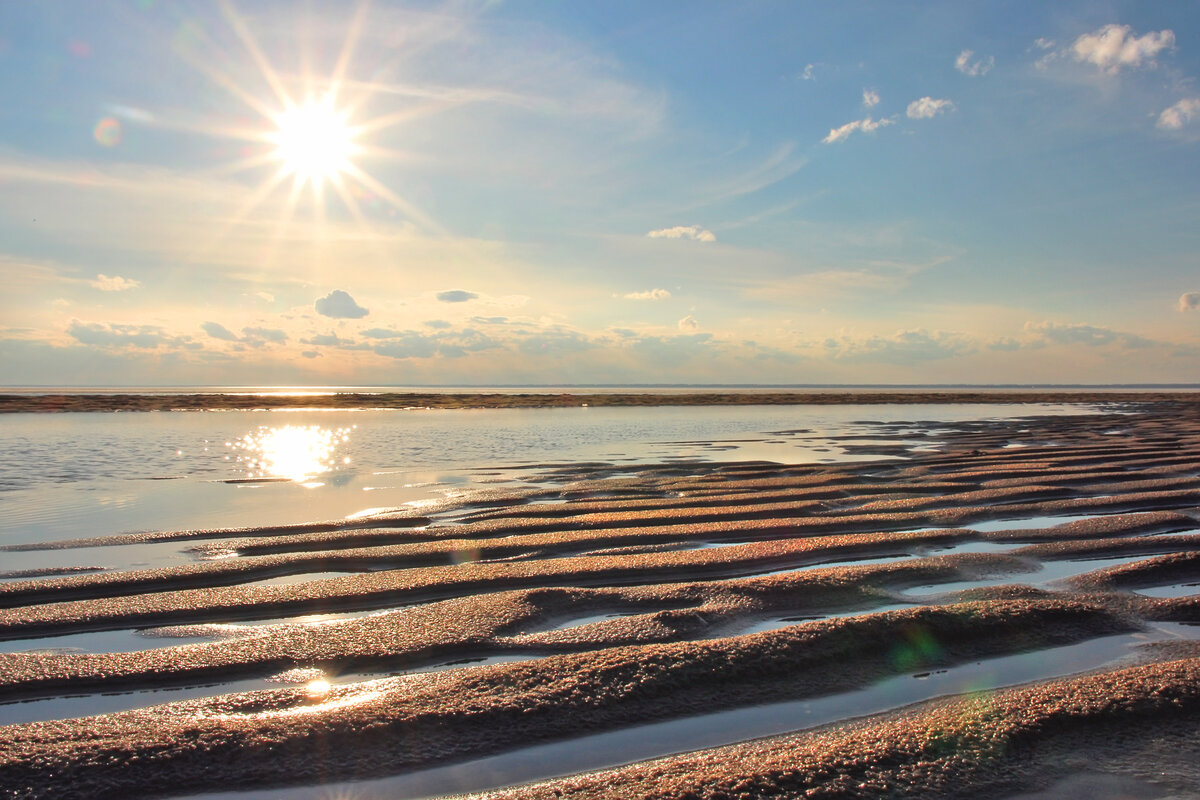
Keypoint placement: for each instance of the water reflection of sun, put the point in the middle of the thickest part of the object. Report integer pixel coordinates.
(292, 452)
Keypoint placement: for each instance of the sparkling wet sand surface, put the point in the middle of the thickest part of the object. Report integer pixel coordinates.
(712, 600)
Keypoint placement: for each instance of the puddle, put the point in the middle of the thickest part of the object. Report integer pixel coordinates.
(654, 740)
(83, 704)
(575, 622)
(1174, 590)
(850, 562)
(1050, 572)
(1028, 523)
(776, 623)
(118, 641)
(86, 705)
(112, 557)
(128, 640)
(459, 663)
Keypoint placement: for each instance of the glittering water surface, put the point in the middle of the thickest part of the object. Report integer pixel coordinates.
(91, 474)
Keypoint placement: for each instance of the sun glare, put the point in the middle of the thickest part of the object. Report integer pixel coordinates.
(314, 141)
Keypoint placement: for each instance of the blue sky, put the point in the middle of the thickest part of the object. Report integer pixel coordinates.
(548, 192)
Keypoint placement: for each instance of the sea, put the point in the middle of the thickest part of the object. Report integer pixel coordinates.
(93, 474)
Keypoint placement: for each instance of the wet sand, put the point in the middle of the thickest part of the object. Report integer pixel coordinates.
(12, 403)
(1052, 562)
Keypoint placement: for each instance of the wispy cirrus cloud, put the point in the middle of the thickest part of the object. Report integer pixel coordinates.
(693, 232)
(867, 125)
(1082, 334)
(968, 65)
(649, 294)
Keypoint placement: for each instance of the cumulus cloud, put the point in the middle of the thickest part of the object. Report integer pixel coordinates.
(688, 323)
(694, 232)
(867, 125)
(870, 98)
(1180, 114)
(265, 334)
(649, 294)
(1189, 301)
(121, 335)
(219, 331)
(902, 347)
(977, 68)
(927, 107)
(456, 296)
(670, 351)
(1006, 343)
(1087, 335)
(1115, 47)
(339, 305)
(809, 73)
(114, 283)
(310, 354)
(326, 340)
(555, 342)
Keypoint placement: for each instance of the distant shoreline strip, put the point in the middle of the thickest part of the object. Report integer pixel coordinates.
(58, 403)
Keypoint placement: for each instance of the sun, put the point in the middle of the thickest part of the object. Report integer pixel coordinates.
(314, 141)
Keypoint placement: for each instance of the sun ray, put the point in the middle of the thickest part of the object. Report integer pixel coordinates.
(399, 202)
(248, 41)
(343, 62)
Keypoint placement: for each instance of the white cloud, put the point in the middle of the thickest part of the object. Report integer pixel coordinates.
(1189, 301)
(456, 296)
(902, 347)
(123, 335)
(339, 305)
(867, 125)
(976, 68)
(218, 331)
(650, 294)
(1180, 114)
(114, 283)
(927, 107)
(1114, 47)
(684, 232)
(809, 72)
(266, 297)
(1042, 43)
(870, 98)
(265, 334)
(1088, 335)
(688, 323)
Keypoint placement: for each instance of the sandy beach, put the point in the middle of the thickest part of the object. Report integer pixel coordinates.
(1010, 614)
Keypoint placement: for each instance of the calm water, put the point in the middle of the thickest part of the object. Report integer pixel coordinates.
(92, 474)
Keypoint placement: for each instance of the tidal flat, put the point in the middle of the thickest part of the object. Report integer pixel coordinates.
(987, 607)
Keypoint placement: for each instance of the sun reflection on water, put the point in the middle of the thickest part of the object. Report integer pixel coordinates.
(291, 452)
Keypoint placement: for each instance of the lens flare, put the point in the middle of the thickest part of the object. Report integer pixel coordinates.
(107, 132)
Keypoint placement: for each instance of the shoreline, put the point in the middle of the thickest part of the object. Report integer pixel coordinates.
(511, 620)
(61, 403)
